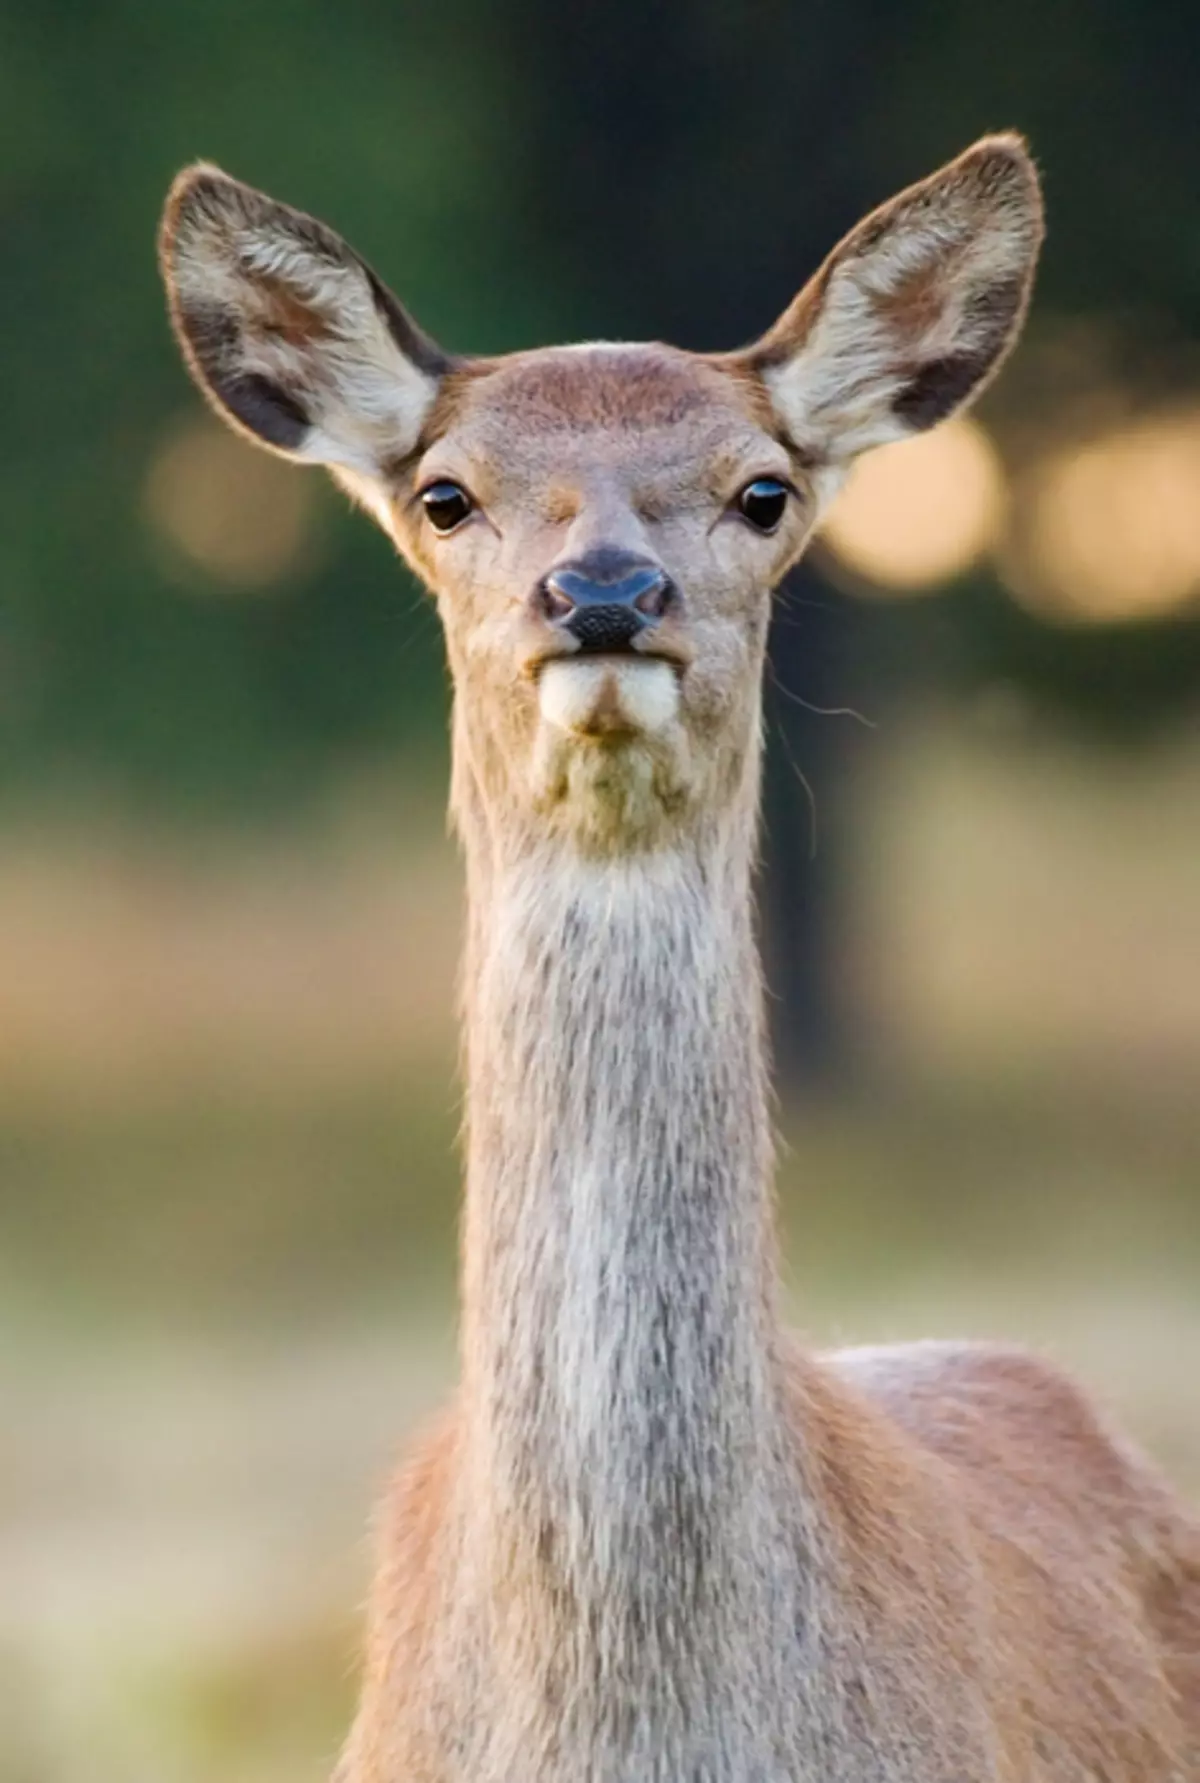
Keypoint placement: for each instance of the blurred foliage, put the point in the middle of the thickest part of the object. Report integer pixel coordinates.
(368, 115)
(519, 172)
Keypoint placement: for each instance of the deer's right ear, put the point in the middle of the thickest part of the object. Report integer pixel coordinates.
(913, 312)
(288, 333)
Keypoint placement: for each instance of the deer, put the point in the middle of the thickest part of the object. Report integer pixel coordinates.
(655, 1537)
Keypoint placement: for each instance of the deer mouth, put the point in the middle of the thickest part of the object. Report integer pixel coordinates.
(648, 648)
(610, 696)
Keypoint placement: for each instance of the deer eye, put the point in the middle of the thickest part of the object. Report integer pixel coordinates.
(447, 505)
(762, 503)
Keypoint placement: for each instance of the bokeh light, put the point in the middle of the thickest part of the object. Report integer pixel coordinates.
(1109, 529)
(242, 517)
(916, 514)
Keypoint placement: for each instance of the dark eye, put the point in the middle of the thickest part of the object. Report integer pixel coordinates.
(447, 505)
(762, 503)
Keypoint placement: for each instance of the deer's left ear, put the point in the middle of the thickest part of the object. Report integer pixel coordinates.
(290, 335)
(913, 311)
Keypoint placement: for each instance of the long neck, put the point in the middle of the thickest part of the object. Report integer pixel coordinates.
(622, 1391)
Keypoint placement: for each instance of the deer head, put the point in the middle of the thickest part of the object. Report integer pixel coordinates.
(603, 525)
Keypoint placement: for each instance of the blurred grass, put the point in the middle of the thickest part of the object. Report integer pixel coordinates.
(229, 1189)
(270, 1211)
(221, 1321)
(262, 1209)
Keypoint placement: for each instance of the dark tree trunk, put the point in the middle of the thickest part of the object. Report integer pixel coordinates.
(804, 822)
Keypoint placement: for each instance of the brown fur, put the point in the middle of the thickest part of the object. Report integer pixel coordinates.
(654, 1539)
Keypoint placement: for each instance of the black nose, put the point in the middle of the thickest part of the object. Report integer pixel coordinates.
(606, 598)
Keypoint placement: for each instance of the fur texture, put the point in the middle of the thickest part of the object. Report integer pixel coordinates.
(914, 312)
(655, 1540)
(661, 1541)
(290, 335)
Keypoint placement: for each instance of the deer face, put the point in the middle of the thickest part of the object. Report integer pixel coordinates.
(604, 575)
(603, 525)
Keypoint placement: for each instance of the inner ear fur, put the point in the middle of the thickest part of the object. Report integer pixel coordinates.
(288, 332)
(914, 311)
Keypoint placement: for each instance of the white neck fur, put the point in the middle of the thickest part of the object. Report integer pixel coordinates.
(631, 1490)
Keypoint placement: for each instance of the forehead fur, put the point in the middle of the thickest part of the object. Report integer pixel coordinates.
(602, 386)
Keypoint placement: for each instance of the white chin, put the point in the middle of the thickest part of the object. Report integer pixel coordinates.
(608, 696)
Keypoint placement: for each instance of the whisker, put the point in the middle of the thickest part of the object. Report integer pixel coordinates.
(785, 602)
(809, 794)
(821, 711)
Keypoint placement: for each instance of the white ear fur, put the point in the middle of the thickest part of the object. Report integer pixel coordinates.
(289, 334)
(913, 312)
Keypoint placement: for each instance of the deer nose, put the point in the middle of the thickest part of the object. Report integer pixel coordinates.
(604, 600)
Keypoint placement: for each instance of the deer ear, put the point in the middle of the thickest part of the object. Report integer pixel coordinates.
(913, 312)
(293, 339)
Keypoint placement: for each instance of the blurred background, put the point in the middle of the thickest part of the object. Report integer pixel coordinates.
(228, 911)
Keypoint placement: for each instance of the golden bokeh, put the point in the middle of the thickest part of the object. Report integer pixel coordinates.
(918, 513)
(1109, 529)
(242, 517)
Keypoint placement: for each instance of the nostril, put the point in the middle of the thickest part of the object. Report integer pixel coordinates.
(554, 604)
(603, 601)
(655, 600)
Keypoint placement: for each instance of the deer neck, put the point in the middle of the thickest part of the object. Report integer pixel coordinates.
(620, 1370)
